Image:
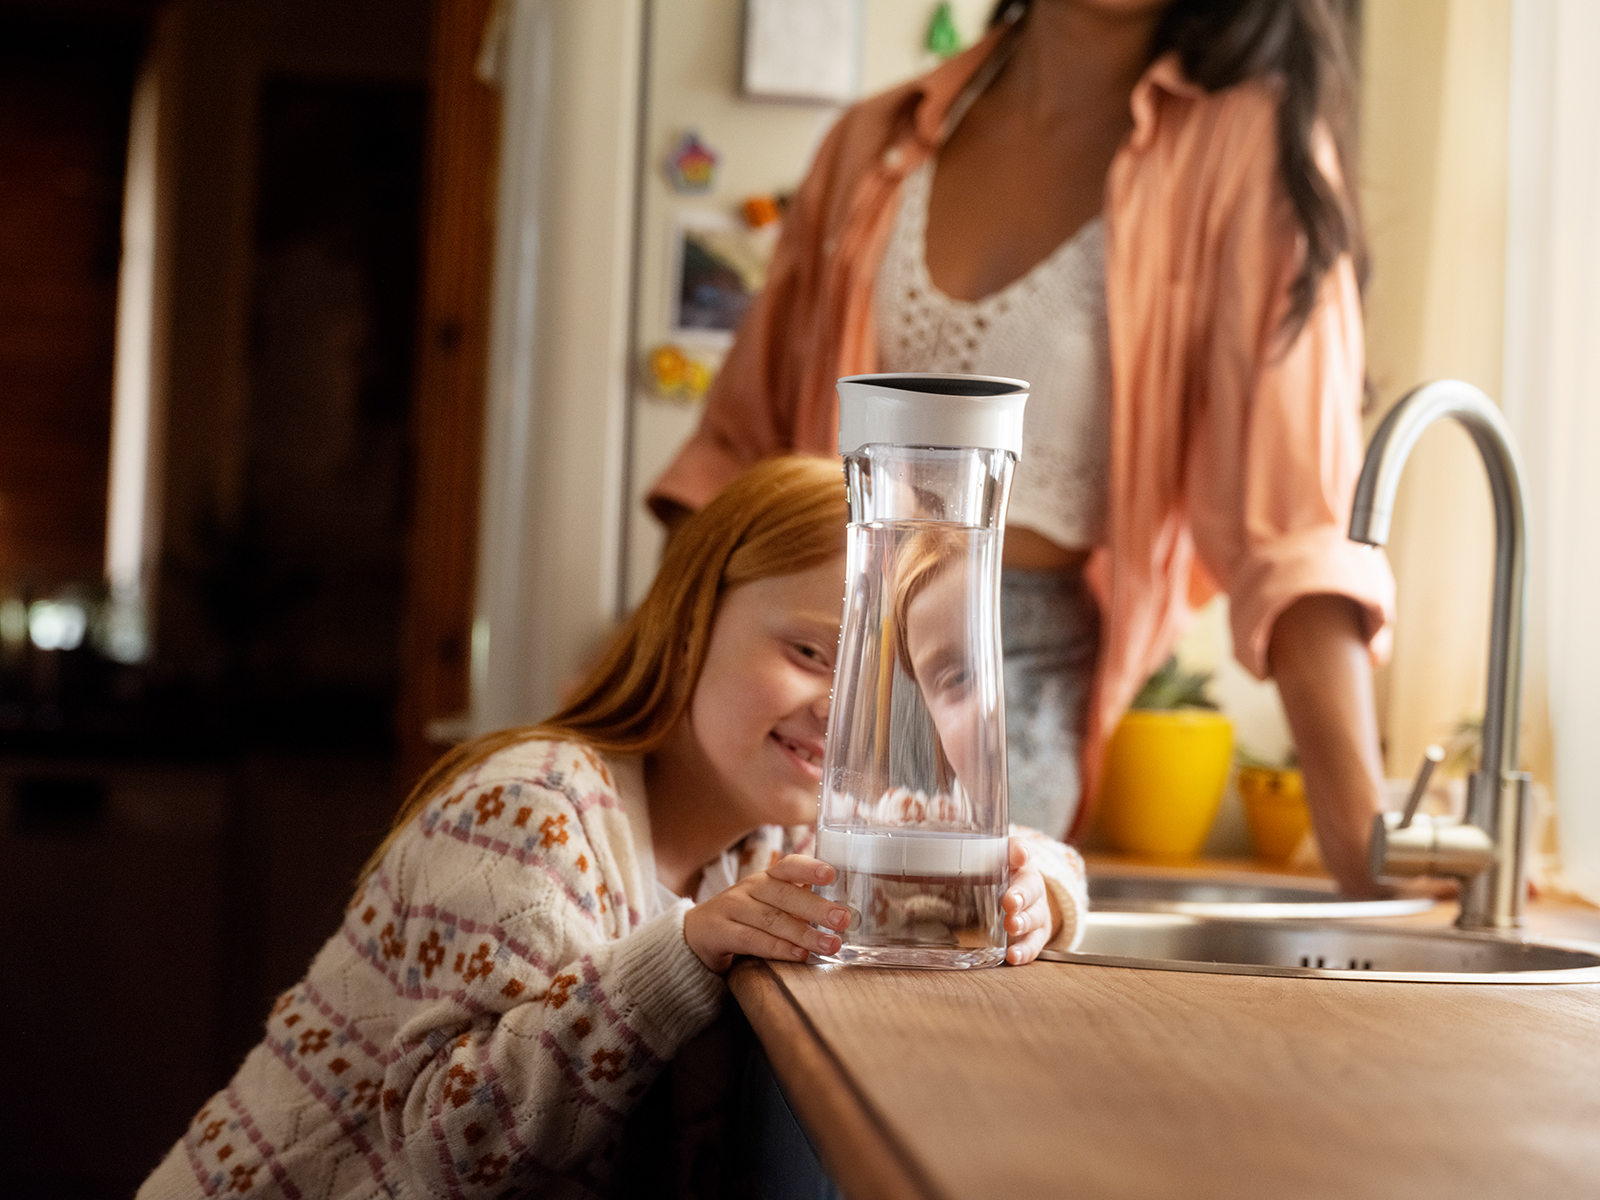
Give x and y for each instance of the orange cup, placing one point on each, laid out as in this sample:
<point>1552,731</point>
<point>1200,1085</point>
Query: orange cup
<point>1275,810</point>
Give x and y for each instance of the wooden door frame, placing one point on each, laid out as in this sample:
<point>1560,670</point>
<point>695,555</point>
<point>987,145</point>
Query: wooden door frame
<point>451,370</point>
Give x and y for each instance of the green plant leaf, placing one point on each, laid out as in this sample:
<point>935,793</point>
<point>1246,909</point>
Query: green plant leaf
<point>1463,750</point>
<point>1172,687</point>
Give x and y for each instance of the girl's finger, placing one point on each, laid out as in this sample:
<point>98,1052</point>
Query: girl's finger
<point>1026,905</point>
<point>801,869</point>
<point>747,909</point>
<point>738,938</point>
<point>1020,923</point>
<point>1035,916</point>
<point>799,901</point>
<point>1025,890</point>
<point>1026,949</point>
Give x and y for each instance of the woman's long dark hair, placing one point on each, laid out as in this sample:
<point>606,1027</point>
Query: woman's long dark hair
<point>1308,45</point>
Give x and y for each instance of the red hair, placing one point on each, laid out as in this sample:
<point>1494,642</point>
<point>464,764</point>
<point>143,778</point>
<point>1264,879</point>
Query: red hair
<point>781,517</point>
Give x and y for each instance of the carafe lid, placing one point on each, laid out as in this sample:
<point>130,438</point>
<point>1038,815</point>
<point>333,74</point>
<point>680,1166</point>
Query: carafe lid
<point>928,409</point>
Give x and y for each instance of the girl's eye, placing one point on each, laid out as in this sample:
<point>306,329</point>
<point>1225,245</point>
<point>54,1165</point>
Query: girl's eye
<point>809,652</point>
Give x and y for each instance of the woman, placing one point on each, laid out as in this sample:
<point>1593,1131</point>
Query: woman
<point>523,954</point>
<point>1140,208</point>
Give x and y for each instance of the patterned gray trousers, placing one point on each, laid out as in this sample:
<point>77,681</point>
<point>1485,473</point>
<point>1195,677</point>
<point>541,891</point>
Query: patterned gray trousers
<point>1049,633</point>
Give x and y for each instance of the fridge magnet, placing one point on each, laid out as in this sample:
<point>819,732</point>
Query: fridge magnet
<point>692,165</point>
<point>761,211</point>
<point>804,51</point>
<point>719,264</point>
<point>675,373</point>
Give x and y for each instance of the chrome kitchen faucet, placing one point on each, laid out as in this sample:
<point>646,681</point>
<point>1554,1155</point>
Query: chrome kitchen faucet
<point>1487,850</point>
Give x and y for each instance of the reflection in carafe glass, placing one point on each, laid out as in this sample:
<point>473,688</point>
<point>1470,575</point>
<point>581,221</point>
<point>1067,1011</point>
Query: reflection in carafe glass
<point>914,815</point>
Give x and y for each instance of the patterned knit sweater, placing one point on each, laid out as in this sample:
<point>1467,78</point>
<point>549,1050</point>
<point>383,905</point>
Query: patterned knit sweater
<point>501,992</point>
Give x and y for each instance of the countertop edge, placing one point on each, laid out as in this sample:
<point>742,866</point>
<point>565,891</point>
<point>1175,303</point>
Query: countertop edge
<point>861,1156</point>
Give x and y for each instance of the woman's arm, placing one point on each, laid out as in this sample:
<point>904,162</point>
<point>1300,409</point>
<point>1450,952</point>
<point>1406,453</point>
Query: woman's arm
<point>1320,660</point>
<point>1276,450</point>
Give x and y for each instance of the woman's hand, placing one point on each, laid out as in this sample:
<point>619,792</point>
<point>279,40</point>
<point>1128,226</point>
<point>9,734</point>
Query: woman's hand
<point>1027,909</point>
<point>769,914</point>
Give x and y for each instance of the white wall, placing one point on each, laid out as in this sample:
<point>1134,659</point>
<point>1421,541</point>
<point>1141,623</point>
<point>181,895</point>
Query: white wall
<point>1434,129</point>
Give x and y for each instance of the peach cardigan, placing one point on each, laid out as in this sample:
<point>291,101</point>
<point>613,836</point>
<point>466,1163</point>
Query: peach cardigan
<point>1233,454</point>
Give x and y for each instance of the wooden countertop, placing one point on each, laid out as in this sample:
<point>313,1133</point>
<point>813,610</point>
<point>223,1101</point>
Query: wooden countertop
<point>1057,1079</point>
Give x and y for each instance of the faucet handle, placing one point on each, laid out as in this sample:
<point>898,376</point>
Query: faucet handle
<point>1433,846</point>
<point>1431,758</point>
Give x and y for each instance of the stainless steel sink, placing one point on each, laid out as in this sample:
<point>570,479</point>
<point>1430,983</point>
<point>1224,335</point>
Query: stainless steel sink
<point>1326,950</point>
<point>1257,897</point>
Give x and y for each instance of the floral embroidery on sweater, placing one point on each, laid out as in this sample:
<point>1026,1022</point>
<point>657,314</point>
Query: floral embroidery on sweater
<point>492,1005</point>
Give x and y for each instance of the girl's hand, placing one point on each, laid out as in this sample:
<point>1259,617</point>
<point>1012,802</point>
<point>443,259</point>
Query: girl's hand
<point>769,914</point>
<point>1027,909</point>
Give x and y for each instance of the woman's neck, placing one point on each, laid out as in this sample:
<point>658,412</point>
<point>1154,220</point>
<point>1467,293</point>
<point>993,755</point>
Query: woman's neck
<point>1026,166</point>
<point>691,821</point>
<point>1075,58</point>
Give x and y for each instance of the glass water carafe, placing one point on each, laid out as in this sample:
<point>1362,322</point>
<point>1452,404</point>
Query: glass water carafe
<point>913,811</point>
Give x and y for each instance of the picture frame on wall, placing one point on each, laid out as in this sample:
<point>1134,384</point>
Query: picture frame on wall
<point>718,266</point>
<point>802,51</point>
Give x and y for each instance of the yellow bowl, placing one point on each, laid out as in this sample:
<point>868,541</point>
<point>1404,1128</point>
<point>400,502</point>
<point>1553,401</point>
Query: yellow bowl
<point>1275,809</point>
<point>1165,772</point>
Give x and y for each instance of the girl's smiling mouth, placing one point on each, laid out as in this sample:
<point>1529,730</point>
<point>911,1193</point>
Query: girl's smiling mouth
<point>806,755</point>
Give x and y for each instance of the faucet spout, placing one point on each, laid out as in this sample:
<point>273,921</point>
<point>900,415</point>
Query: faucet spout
<point>1492,895</point>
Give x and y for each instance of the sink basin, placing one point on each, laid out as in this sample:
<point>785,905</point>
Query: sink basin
<point>1325,950</point>
<point>1258,897</point>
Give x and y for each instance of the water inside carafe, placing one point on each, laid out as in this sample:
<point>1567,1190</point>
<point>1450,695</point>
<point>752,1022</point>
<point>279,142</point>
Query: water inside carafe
<point>913,806</point>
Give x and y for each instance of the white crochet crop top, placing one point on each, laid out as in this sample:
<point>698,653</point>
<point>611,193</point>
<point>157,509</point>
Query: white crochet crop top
<point>1049,328</point>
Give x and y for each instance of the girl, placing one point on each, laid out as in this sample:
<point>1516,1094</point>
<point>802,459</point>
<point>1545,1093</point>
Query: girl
<point>1140,207</point>
<point>552,915</point>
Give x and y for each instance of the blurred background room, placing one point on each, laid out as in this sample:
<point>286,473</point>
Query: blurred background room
<point>340,341</point>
